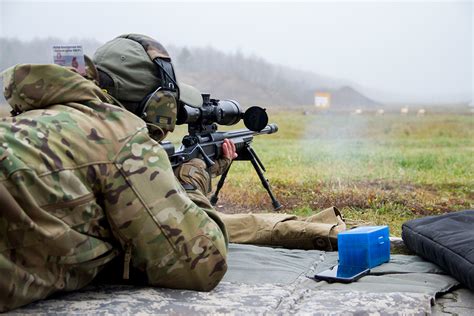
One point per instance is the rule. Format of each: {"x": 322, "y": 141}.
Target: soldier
{"x": 84, "y": 181}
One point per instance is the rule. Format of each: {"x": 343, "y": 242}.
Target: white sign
{"x": 321, "y": 101}
{"x": 70, "y": 56}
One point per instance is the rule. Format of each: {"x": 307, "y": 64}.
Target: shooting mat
{"x": 275, "y": 281}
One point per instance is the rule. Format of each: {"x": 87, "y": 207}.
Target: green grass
{"x": 375, "y": 169}
{"x": 381, "y": 170}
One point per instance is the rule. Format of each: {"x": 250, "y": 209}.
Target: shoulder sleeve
{"x": 178, "y": 243}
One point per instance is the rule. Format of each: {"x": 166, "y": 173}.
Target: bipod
{"x": 247, "y": 153}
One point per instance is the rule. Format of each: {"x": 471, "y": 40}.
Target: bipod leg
{"x": 215, "y": 197}
{"x": 258, "y": 166}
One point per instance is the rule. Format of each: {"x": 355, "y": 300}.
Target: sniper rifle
{"x": 205, "y": 142}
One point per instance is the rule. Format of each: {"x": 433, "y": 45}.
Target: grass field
{"x": 375, "y": 169}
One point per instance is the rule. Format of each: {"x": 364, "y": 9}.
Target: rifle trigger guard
{"x": 207, "y": 160}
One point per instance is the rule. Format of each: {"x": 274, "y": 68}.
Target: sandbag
{"x": 447, "y": 240}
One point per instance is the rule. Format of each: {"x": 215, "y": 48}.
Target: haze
{"x": 393, "y": 52}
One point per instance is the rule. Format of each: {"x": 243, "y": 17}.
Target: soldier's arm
{"x": 196, "y": 177}
{"x": 176, "y": 238}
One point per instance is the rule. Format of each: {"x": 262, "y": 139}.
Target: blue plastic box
{"x": 364, "y": 247}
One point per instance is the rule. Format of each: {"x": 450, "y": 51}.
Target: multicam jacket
{"x": 80, "y": 182}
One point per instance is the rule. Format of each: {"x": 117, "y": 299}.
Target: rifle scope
{"x": 222, "y": 112}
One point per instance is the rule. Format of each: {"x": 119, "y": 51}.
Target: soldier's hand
{"x": 229, "y": 153}
{"x": 228, "y": 149}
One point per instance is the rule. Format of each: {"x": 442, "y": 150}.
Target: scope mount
{"x": 199, "y": 129}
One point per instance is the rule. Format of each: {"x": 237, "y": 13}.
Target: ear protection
{"x": 159, "y": 108}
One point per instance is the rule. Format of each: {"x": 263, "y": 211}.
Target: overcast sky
{"x": 399, "y": 51}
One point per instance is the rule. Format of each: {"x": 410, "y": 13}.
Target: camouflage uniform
{"x": 81, "y": 181}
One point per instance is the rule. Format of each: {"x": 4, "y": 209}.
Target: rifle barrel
{"x": 269, "y": 129}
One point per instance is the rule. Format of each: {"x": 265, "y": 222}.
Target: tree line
{"x": 251, "y": 80}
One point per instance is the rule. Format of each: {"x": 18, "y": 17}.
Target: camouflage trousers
{"x": 315, "y": 232}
